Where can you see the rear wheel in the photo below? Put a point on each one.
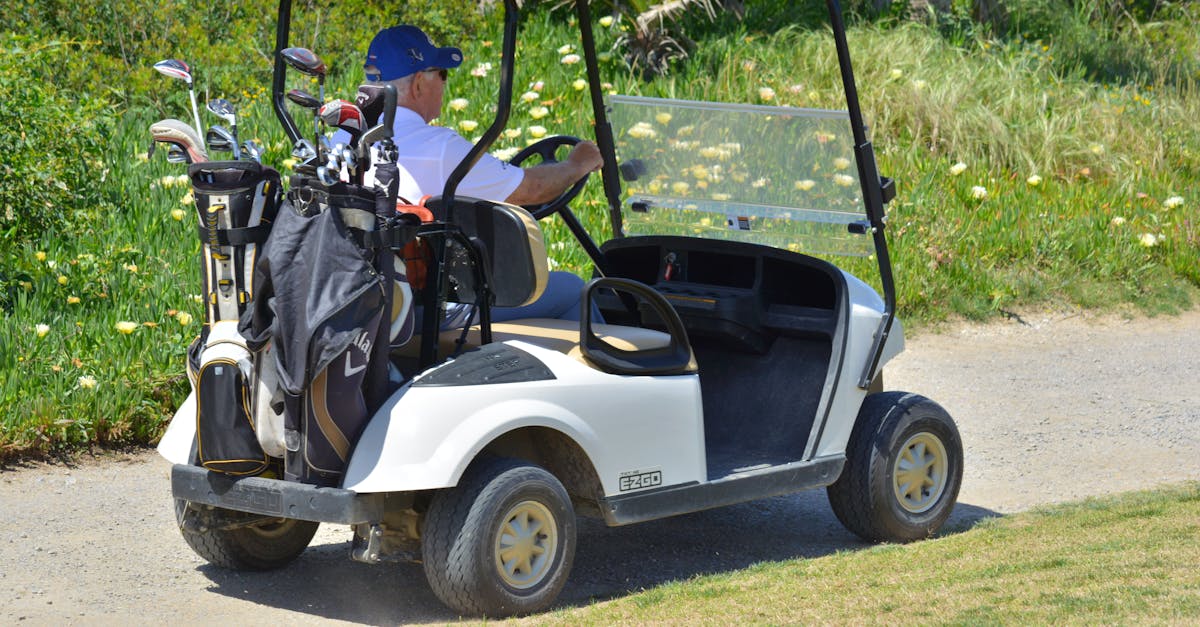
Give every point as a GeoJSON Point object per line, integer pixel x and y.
{"type": "Point", "coordinates": [264, 545]}
{"type": "Point", "coordinates": [903, 469]}
{"type": "Point", "coordinates": [502, 542]}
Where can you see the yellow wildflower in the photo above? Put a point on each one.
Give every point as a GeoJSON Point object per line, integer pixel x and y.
{"type": "Point", "coordinates": [125, 327]}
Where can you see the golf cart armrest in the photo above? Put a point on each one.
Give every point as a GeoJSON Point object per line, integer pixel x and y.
{"type": "Point", "coordinates": [674, 358]}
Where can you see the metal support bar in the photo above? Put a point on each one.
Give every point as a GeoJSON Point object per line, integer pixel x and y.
{"type": "Point", "coordinates": [279, 79]}
{"type": "Point", "coordinates": [872, 188]}
{"type": "Point", "coordinates": [603, 129]}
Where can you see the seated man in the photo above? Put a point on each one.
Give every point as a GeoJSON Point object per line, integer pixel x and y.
{"type": "Point", "coordinates": [405, 57]}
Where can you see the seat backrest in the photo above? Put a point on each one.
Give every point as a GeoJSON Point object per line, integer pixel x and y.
{"type": "Point", "coordinates": [514, 253]}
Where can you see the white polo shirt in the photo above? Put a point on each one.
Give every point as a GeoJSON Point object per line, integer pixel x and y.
{"type": "Point", "coordinates": [429, 154]}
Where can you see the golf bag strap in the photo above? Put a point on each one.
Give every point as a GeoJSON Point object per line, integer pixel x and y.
{"type": "Point", "coordinates": [393, 236]}
{"type": "Point", "coordinates": [236, 237]}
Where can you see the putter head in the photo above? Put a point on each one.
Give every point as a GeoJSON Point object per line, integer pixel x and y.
{"type": "Point", "coordinates": [175, 69]}
{"type": "Point", "coordinates": [304, 61]}
{"type": "Point", "coordinates": [223, 109]}
{"type": "Point", "coordinates": [370, 101]}
{"type": "Point", "coordinates": [172, 131]}
{"type": "Point", "coordinates": [344, 115]}
{"type": "Point", "coordinates": [220, 140]}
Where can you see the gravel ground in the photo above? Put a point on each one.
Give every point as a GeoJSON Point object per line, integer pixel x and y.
{"type": "Point", "coordinates": [1052, 408]}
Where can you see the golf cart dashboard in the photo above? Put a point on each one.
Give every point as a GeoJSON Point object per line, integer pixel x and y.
{"type": "Point", "coordinates": [740, 293]}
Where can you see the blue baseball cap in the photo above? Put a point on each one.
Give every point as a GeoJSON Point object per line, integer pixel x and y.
{"type": "Point", "coordinates": [399, 51]}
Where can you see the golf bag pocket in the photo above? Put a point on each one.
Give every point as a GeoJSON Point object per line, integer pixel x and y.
{"type": "Point", "coordinates": [334, 413]}
{"type": "Point", "coordinates": [225, 436]}
{"type": "Point", "coordinates": [268, 404]}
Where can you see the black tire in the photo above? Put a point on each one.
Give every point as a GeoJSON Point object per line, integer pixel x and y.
{"type": "Point", "coordinates": [266, 546]}
{"type": "Point", "coordinates": [461, 541]}
{"type": "Point", "coordinates": [871, 497]}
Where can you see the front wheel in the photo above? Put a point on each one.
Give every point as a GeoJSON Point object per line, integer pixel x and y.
{"type": "Point", "coordinates": [904, 464]}
{"type": "Point", "coordinates": [502, 542]}
{"type": "Point", "coordinates": [265, 545]}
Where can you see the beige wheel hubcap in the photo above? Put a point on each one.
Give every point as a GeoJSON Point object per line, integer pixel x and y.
{"type": "Point", "coordinates": [526, 544]}
{"type": "Point", "coordinates": [919, 474]}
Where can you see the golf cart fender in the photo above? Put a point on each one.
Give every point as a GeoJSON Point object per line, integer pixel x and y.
{"type": "Point", "coordinates": [400, 452]}
{"type": "Point", "coordinates": [424, 437]}
{"type": "Point", "coordinates": [866, 312]}
{"type": "Point", "coordinates": [176, 442]}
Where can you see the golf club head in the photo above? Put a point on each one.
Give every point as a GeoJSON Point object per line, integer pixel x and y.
{"type": "Point", "coordinates": [380, 131]}
{"type": "Point", "coordinates": [304, 99]}
{"type": "Point", "coordinates": [304, 61]}
{"type": "Point", "coordinates": [176, 132]}
{"type": "Point", "coordinates": [175, 69]}
{"type": "Point", "coordinates": [253, 149]}
{"type": "Point", "coordinates": [344, 115]}
{"type": "Point", "coordinates": [221, 140]}
{"type": "Point", "coordinates": [177, 154]}
{"type": "Point", "coordinates": [223, 109]}
{"type": "Point", "coordinates": [304, 150]}
{"type": "Point", "coordinates": [370, 101]}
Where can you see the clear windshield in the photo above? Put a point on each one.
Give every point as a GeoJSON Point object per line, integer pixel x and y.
{"type": "Point", "coordinates": [777, 176]}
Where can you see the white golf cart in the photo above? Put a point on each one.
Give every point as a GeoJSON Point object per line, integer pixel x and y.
{"type": "Point", "coordinates": [731, 364]}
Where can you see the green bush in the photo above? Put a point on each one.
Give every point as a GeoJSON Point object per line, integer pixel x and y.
{"type": "Point", "coordinates": [51, 176]}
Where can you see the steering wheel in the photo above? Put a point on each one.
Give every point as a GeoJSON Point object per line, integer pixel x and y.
{"type": "Point", "coordinates": [545, 148]}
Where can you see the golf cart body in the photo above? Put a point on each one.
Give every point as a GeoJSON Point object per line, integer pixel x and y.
{"type": "Point", "coordinates": [733, 363]}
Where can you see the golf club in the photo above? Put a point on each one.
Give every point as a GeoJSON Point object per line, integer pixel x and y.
{"type": "Point", "coordinates": [381, 131]}
{"type": "Point", "coordinates": [306, 62]}
{"type": "Point", "coordinates": [253, 149]}
{"type": "Point", "coordinates": [177, 132]}
{"type": "Point", "coordinates": [345, 116]}
{"type": "Point", "coordinates": [221, 140]}
{"type": "Point", "coordinates": [225, 110]}
{"type": "Point", "coordinates": [176, 154]}
{"type": "Point", "coordinates": [370, 101]}
{"type": "Point", "coordinates": [175, 68]}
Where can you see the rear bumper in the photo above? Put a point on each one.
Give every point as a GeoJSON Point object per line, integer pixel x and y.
{"type": "Point", "coordinates": [273, 497]}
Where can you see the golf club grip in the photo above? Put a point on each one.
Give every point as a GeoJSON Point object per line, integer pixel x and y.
{"type": "Point", "coordinates": [389, 107]}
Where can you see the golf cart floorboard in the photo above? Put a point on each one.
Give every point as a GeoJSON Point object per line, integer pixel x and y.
{"type": "Point", "coordinates": [726, 463]}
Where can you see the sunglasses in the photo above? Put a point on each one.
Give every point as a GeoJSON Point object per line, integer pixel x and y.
{"type": "Point", "coordinates": [442, 72]}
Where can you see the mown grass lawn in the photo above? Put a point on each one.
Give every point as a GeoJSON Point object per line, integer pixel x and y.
{"type": "Point", "coordinates": [1129, 559]}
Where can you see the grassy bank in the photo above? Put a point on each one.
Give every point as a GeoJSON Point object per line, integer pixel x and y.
{"type": "Point", "coordinates": [1122, 560]}
{"type": "Point", "coordinates": [1024, 180]}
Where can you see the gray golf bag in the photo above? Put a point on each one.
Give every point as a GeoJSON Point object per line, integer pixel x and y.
{"type": "Point", "coordinates": [324, 287]}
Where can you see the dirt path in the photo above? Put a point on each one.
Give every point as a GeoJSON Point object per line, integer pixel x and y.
{"type": "Point", "coordinates": [1055, 409]}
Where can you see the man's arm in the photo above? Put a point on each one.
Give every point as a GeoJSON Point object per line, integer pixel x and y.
{"type": "Point", "coordinates": [546, 182]}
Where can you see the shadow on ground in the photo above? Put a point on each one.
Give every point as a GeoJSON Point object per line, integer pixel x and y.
{"type": "Point", "coordinates": [609, 562]}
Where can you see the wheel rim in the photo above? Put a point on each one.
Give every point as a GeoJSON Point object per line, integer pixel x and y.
{"type": "Point", "coordinates": [920, 472]}
{"type": "Point", "coordinates": [526, 544]}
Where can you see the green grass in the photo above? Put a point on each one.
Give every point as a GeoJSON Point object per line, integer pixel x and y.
{"type": "Point", "coordinates": [1129, 559]}
{"type": "Point", "coordinates": [1109, 156]}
